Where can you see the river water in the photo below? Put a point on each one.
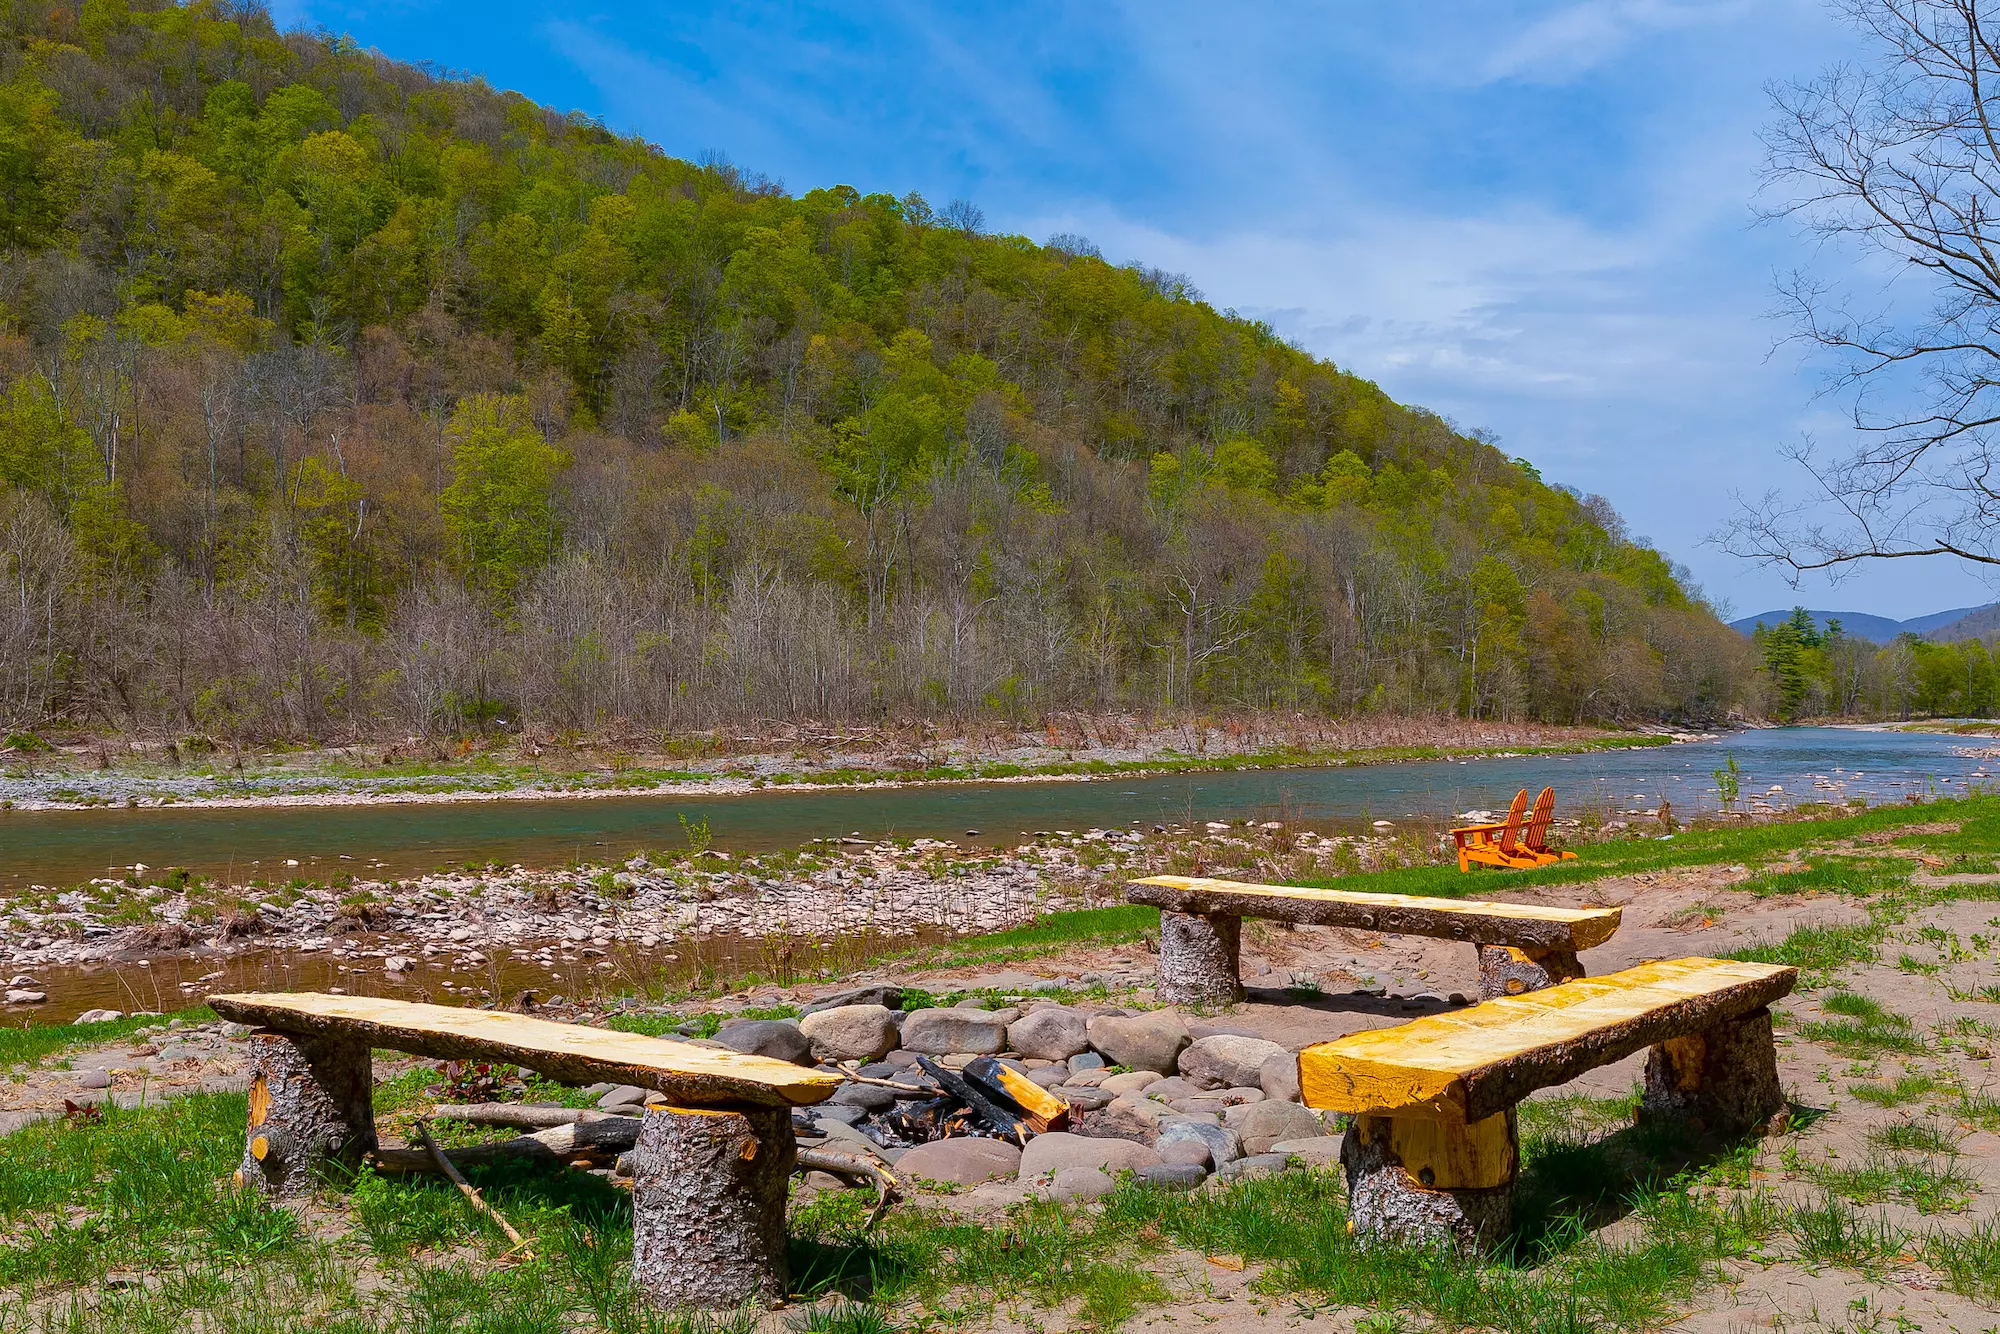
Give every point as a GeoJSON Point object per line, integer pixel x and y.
{"type": "Point", "coordinates": [62, 847]}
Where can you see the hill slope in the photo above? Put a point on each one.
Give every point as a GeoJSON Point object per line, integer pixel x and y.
{"type": "Point", "coordinates": [343, 398]}
{"type": "Point", "coordinates": [1943, 626]}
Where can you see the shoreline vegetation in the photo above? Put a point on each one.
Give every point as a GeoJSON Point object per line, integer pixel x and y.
{"type": "Point", "coordinates": [195, 772]}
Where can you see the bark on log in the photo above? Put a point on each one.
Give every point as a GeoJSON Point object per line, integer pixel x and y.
{"type": "Point", "coordinates": [1198, 959]}
{"type": "Point", "coordinates": [606, 1136]}
{"type": "Point", "coordinates": [708, 1205]}
{"type": "Point", "coordinates": [513, 1114]}
{"type": "Point", "coordinates": [1424, 1183]}
{"type": "Point", "coordinates": [1505, 970]}
{"type": "Point", "coordinates": [1723, 1080]}
{"type": "Point", "coordinates": [311, 1104]}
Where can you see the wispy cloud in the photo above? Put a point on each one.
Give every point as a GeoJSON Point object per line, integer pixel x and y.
{"type": "Point", "coordinates": [1583, 37]}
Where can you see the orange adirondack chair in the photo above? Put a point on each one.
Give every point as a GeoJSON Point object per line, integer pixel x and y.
{"type": "Point", "coordinates": [1514, 844]}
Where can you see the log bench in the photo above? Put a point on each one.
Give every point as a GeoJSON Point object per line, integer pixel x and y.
{"type": "Point", "coordinates": [710, 1165]}
{"type": "Point", "coordinates": [1521, 947]}
{"type": "Point", "coordinates": [1431, 1151]}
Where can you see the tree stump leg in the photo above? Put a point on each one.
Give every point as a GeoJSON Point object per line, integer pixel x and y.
{"type": "Point", "coordinates": [1507, 971]}
{"type": "Point", "coordinates": [1419, 1182]}
{"type": "Point", "coordinates": [708, 1205]}
{"type": "Point", "coordinates": [1723, 1080]}
{"type": "Point", "coordinates": [1198, 957]}
{"type": "Point", "coordinates": [311, 1103]}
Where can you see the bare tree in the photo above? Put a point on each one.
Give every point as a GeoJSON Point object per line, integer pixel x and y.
{"type": "Point", "coordinates": [1898, 158]}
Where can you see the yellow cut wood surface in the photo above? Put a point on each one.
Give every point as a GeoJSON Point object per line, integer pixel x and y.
{"type": "Point", "coordinates": [1469, 1064]}
{"type": "Point", "coordinates": [1483, 921]}
{"type": "Point", "coordinates": [571, 1052]}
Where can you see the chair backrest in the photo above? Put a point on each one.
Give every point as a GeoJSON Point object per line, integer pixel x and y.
{"type": "Point", "coordinates": [1512, 831]}
{"type": "Point", "coordinates": [1537, 837]}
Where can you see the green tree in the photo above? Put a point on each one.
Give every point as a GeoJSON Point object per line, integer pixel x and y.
{"type": "Point", "coordinates": [499, 507]}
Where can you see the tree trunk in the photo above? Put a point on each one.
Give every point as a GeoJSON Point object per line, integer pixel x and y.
{"type": "Point", "coordinates": [1723, 1080]}
{"type": "Point", "coordinates": [708, 1205]}
{"type": "Point", "coordinates": [1507, 971]}
{"type": "Point", "coordinates": [1420, 1182]}
{"type": "Point", "coordinates": [311, 1103]}
{"type": "Point", "coordinates": [1198, 956]}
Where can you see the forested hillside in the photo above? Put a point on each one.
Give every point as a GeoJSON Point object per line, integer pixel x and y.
{"type": "Point", "coordinates": [343, 397]}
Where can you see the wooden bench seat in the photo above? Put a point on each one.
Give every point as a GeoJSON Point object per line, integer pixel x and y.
{"type": "Point", "coordinates": [1432, 1152]}
{"type": "Point", "coordinates": [710, 1168]}
{"type": "Point", "coordinates": [1520, 946]}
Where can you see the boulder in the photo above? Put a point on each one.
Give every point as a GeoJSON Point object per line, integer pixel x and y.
{"type": "Point", "coordinates": [1086, 1060]}
{"type": "Point", "coordinates": [1278, 1076]}
{"type": "Point", "coordinates": [623, 1095]}
{"type": "Point", "coordinates": [1059, 1149]}
{"type": "Point", "coordinates": [1132, 1081]}
{"type": "Point", "coordinates": [1174, 1176]}
{"type": "Point", "coordinates": [1323, 1151]}
{"type": "Point", "coordinates": [99, 1016]}
{"type": "Point", "coordinates": [1049, 1076]}
{"type": "Point", "coordinates": [1169, 1089]}
{"type": "Point", "coordinates": [780, 1039]}
{"type": "Point", "coordinates": [1226, 1060]}
{"type": "Point", "coordinates": [940, 1032]}
{"type": "Point", "coordinates": [834, 1113]}
{"type": "Point", "coordinates": [1224, 1145]}
{"type": "Point", "coordinates": [1078, 1183]}
{"type": "Point", "coordinates": [1267, 1123]}
{"type": "Point", "coordinates": [865, 1096]}
{"type": "Point", "coordinates": [966, 1160]}
{"type": "Point", "coordinates": [1257, 1165]}
{"type": "Point", "coordinates": [1084, 1100]}
{"type": "Point", "coordinates": [1152, 1041]}
{"type": "Point", "coordinates": [1187, 1150]}
{"type": "Point", "coordinates": [23, 996]}
{"type": "Point", "coordinates": [1051, 1032]}
{"type": "Point", "coordinates": [850, 1033]}
{"type": "Point", "coordinates": [95, 1079]}
{"type": "Point", "coordinates": [888, 997]}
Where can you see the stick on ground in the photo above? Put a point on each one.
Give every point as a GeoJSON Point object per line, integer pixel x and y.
{"type": "Point", "coordinates": [465, 1187]}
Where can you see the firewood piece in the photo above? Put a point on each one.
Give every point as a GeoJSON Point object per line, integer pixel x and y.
{"type": "Point", "coordinates": [994, 1115]}
{"type": "Point", "coordinates": [513, 1114]}
{"type": "Point", "coordinates": [688, 1075]}
{"type": "Point", "coordinates": [311, 1103]}
{"type": "Point", "coordinates": [605, 1136]}
{"type": "Point", "coordinates": [708, 1205]}
{"type": "Point", "coordinates": [1015, 1092]}
{"type": "Point", "coordinates": [466, 1188]}
{"type": "Point", "coordinates": [887, 1189]}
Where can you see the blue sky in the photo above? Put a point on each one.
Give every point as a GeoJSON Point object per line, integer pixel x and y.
{"type": "Point", "coordinates": [1533, 216]}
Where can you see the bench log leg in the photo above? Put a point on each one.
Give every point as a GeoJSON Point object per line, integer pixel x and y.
{"type": "Point", "coordinates": [311, 1103]}
{"type": "Point", "coordinates": [1723, 1080]}
{"type": "Point", "coordinates": [1507, 971]}
{"type": "Point", "coordinates": [1198, 957]}
{"type": "Point", "coordinates": [708, 1205]}
{"type": "Point", "coordinates": [1419, 1182]}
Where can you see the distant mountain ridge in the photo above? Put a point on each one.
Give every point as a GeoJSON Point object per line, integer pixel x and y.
{"type": "Point", "coordinates": [1943, 626]}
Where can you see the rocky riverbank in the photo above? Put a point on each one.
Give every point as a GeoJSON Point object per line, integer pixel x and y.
{"type": "Point", "coordinates": [83, 771]}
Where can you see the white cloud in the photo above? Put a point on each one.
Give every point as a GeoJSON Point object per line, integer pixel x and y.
{"type": "Point", "coordinates": [1582, 37]}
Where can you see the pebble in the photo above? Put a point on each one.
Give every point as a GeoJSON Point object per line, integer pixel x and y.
{"type": "Point", "coordinates": [22, 996]}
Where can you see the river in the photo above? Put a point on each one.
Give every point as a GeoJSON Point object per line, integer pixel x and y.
{"type": "Point", "coordinates": [62, 847]}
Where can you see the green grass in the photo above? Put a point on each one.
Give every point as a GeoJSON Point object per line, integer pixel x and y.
{"type": "Point", "coordinates": [1912, 1137]}
{"type": "Point", "coordinates": [1817, 951]}
{"type": "Point", "coordinates": [1865, 1028]}
{"type": "Point", "coordinates": [1834, 1233]}
{"type": "Point", "coordinates": [1927, 1187]}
